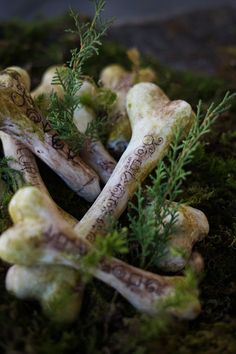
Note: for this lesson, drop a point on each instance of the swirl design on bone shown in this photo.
(132, 167)
(20, 97)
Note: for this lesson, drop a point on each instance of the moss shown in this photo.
(107, 322)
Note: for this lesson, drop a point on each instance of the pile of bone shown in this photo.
(45, 245)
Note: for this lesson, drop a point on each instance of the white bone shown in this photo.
(56, 287)
(119, 80)
(154, 119)
(24, 162)
(94, 153)
(20, 118)
(41, 237)
(190, 227)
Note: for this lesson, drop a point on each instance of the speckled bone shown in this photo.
(190, 227)
(55, 287)
(154, 119)
(119, 80)
(93, 153)
(91, 221)
(21, 119)
(40, 236)
(23, 161)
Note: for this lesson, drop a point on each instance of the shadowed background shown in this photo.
(123, 10)
(185, 34)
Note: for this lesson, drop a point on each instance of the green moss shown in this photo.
(107, 322)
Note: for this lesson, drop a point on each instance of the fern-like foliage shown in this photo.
(153, 217)
(115, 243)
(70, 78)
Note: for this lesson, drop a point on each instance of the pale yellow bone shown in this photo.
(190, 227)
(23, 160)
(20, 118)
(154, 119)
(45, 87)
(41, 237)
(119, 80)
(93, 153)
(56, 287)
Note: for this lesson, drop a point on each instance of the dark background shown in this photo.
(198, 35)
(123, 10)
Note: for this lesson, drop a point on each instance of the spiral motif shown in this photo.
(57, 143)
(160, 140)
(34, 115)
(18, 99)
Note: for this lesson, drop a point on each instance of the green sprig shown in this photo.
(152, 223)
(114, 243)
(70, 78)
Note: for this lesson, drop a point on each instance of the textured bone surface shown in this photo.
(56, 287)
(154, 119)
(93, 153)
(190, 227)
(23, 161)
(55, 290)
(119, 80)
(40, 236)
(46, 87)
(23, 74)
(20, 118)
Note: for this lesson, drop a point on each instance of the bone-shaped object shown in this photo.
(24, 162)
(119, 80)
(56, 287)
(90, 222)
(20, 118)
(94, 153)
(45, 87)
(191, 226)
(154, 119)
(40, 236)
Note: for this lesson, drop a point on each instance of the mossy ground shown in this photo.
(107, 323)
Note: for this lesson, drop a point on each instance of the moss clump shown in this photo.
(108, 323)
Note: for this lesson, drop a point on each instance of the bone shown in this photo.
(45, 87)
(154, 119)
(91, 226)
(41, 237)
(119, 80)
(93, 153)
(55, 287)
(21, 119)
(187, 230)
(190, 227)
(24, 162)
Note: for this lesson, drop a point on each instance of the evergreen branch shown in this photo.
(70, 78)
(114, 243)
(151, 224)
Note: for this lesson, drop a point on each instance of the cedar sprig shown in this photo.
(70, 78)
(153, 217)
